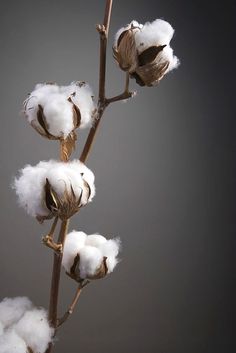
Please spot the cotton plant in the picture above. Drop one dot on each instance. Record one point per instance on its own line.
(56, 190)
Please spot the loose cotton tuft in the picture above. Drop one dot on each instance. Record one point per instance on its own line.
(34, 329)
(55, 112)
(89, 256)
(144, 51)
(23, 326)
(54, 188)
(12, 309)
(10, 342)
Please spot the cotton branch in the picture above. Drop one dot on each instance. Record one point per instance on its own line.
(103, 102)
(73, 304)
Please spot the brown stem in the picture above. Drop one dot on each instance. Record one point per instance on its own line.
(103, 102)
(103, 32)
(56, 273)
(73, 304)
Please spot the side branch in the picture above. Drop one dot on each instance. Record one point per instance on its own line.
(73, 304)
(123, 96)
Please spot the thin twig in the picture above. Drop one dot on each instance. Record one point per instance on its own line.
(103, 33)
(73, 304)
(125, 95)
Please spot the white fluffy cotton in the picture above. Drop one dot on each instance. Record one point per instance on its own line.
(22, 325)
(10, 342)
(57, 109)
(81, 95)
(29, 186)
(34, 329)
(75, 241)
(158, 32)
(91, 249)
(12, 309)
(90, 260)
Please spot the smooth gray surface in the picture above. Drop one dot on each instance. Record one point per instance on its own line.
(164, 165)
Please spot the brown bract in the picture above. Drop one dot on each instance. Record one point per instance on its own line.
(64, 206)
(125, 51)
(151, 68)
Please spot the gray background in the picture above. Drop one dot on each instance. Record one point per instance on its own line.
(164, 175)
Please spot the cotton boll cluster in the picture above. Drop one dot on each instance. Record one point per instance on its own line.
(89, 256)
(23, 328)
(144, 51)
(55, 112)
(54, 188)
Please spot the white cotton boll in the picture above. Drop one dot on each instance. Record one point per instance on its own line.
(125, 28)
(95, 240)
(30, 184)
(65, 175)
(82, 96)
(110, 249)
(90, 260)
(34, 329)
(10, 342)
(59, 115)
(75, 241)
(57, 107)
(12, 309)
(158, 32)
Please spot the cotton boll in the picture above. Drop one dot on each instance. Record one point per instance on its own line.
(75, 241)
(71, 179)
(52, 111)
(64, 175)
(90, 260)
(10, 342)
(34, 329)
(95, 240)
(97, 256)
(110, 250)
(158, 32)
(12, 309)
(145, 52)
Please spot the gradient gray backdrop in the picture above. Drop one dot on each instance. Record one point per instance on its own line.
(164, 175)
